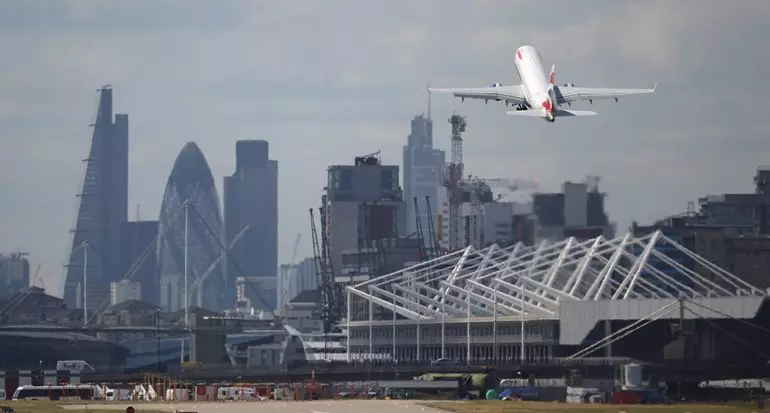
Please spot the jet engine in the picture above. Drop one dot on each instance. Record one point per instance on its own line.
(496, 84)
(569, 84)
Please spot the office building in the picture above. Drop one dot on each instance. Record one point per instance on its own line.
(14, 274)
(363, 209)
(483, 220)
(103, 208)
(423, 172)
(190, 222)
(578, 211)
(251, 215)
(293, 279)
(138, 257)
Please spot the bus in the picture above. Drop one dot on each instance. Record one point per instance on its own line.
(65, 392)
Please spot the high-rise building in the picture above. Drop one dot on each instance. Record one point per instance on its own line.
(363, 212)
(423, 172)
(251, 216)
(14, 274)
(103, 209)
(139, 259)
(191, 234)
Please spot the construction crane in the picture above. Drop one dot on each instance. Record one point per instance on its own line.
(291, 275)
(329, 307)
(454, 180)
(512, 185)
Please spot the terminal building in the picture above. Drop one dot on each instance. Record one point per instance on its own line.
(600, 297)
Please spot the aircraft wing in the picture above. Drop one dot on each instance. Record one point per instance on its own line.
(513, 94)
(569, 94)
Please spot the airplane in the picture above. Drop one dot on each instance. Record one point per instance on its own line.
(538, 95)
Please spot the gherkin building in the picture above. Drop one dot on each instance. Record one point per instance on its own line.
(199, 226)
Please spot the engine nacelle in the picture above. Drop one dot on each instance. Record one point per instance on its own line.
(569, 84)
(496, 84)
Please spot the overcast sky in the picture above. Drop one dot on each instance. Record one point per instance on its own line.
(324, 81)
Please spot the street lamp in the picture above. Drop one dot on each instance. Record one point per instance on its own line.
(157, 340)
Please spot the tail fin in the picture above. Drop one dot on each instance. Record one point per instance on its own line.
(552, 76)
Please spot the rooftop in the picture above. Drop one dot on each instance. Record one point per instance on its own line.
(531, 281)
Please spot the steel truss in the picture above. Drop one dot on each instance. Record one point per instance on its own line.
(530, 281)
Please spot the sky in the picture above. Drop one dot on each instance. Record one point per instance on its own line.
(327, 80)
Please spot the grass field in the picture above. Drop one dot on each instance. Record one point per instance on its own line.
(538, 407)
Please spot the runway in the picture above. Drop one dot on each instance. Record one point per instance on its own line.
(316, 406)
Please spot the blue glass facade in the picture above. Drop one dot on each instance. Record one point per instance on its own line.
(102, 209)
(191, 180)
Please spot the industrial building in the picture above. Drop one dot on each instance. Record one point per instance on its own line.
(251, 218)
(730, 230)
(190, 231)
(473, 304)
(103, 208)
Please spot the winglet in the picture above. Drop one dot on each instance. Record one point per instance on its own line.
(655, 86)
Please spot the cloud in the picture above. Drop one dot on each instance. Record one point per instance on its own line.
(325, 81)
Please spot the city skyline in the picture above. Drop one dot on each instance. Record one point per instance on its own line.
(229, 79)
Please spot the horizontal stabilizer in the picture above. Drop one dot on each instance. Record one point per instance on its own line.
(564, 112)
(534, 113)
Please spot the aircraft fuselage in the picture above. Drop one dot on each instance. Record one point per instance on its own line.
(535, 82)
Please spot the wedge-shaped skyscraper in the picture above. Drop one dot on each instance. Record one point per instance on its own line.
(103, 208)
(198, 226)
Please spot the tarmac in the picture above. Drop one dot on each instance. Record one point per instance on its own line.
(316, 406)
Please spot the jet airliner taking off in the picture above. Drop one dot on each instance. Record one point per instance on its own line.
(538, 95)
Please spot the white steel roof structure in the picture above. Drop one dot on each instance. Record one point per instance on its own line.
(480, 283)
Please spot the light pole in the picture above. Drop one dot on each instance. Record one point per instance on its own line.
(157, 340)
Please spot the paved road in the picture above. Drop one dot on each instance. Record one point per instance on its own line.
(317, 406)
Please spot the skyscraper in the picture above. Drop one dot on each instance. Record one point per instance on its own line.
(103, 209)
(138, 260)
(423, 172)
(251, 207)
(199, 227)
